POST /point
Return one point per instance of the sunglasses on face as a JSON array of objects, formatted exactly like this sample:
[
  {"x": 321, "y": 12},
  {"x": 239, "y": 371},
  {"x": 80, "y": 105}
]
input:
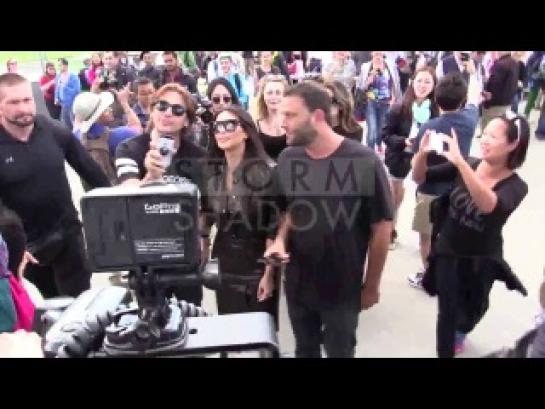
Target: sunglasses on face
[
  {"x": 177, "y": 109},
  {"x": 225, "y": 126},
  {"x": 226, "y": 99}
]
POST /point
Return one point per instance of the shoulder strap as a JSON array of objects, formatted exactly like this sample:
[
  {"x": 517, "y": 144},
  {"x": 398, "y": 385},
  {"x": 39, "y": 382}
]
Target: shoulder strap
[{"x": 237, "y": 82}]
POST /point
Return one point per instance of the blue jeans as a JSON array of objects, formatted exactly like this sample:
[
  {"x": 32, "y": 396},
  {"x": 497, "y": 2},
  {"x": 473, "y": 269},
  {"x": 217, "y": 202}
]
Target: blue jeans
[
  {"x": 516, "y": 101},
  {"x": 375, "y": 117},
  {"x": 67, "y": 117},
  {"x": 339, "y": 329}
]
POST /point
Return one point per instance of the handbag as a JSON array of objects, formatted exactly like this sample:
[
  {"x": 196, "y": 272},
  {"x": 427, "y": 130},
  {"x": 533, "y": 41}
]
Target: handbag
[{"x": 46, "y": 248}]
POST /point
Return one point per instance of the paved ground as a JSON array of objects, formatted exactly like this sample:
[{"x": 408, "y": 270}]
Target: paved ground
[{"x": 403, "y": 323}]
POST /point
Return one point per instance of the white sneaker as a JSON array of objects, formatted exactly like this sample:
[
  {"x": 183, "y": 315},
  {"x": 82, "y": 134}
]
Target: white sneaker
[{"x": 415, "y": 280}]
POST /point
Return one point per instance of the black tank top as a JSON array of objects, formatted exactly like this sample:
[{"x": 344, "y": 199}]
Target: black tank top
[{"x": 273, "y": 144}]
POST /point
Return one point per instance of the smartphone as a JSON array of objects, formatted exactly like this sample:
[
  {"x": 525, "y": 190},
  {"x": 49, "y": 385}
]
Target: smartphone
[
  {"x": 166, "y": 149},
  {"x": 436, "y": 142},
  {"x": 464, "y": 56}
]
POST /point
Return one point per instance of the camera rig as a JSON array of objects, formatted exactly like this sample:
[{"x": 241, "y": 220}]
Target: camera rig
[{"x": 153, "y": 232}]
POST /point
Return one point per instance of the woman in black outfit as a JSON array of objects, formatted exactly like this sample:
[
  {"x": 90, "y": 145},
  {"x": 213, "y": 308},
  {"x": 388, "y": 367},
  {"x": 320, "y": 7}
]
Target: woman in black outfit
[
  {"x": 272, "y": 135},
  {"x": 342, "y": 112},
  {"x": 401, "y": 125},
  {"x": 240, "y": 205},
  {"x": 467, "y": 243}
]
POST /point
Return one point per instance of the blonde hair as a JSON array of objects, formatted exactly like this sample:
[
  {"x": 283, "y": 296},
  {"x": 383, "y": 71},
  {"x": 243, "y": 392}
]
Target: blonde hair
[{"x": 261, "y": 105}]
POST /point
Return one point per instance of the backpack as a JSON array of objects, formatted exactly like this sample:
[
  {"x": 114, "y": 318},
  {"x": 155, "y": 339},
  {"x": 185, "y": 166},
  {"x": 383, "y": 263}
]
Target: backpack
[
  {"x": 238, "y": 83},
  {"x": 100, "y": 151}
]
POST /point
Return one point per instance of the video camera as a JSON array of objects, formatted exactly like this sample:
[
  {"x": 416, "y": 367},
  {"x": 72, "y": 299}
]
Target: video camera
[
  {"x": 110, "y": 80},
  {"x": 152, "y": 231},
  {"x": 201, "y": 130}
]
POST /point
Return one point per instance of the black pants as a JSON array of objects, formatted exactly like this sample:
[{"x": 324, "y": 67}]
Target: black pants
[
  {"x": 335, "y": 327},
  {"x": 463, "y": 289},
  {"x": 241, "y": 298},
  {"x": 68, "y": 274},
  {"x": 54, "y": 110}
]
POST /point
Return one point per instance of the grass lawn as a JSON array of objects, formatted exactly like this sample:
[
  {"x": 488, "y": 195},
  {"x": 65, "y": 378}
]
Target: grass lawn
[{"x": 25, "y": 57}]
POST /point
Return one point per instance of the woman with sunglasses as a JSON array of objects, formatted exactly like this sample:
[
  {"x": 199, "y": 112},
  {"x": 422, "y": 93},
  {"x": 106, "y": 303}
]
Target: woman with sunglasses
[
  {"x": 467, "y": 243},
  {"x": 342, "y": 112},
  {"x": 222, "y": 94},
  {"x": 139, "y": 161},
  {"x": 401, "y": 127},
  {"x": 270, "y": 96},
  {"x": 240, "y": 206}
]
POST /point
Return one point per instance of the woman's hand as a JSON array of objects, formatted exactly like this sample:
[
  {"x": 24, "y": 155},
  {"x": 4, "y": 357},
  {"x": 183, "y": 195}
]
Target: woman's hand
[
  {"x": 123, "y": 95},
  {"x": 27, "y": 258},
  {"x": 266, "y": 285},
  {"x": 453, "y": 154}
]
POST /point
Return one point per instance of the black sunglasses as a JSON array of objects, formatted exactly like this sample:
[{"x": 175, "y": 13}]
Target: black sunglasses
[
  {"x": 177, "y": 109},
  {"x": 226, "y": 99},
  {"x": 225, "y": 126}
]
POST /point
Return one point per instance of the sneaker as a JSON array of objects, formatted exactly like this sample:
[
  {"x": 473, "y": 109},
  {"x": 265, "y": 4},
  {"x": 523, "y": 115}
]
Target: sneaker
[
  {"x": 393, "y": 240},
  {"x": 415, "y": 280},
  {"x": 459, "y": 343}
]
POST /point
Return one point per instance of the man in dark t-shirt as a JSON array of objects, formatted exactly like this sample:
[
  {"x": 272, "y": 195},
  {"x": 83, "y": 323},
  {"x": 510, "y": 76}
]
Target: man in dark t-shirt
[{"x": 337, "y": 208}]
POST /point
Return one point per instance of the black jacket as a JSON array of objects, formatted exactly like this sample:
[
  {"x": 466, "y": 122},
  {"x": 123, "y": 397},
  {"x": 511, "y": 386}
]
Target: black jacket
[
  {"x": 503, "y": 82},
  {"x": 397, "y": 127},
  {"x": 244, "y": 216}
]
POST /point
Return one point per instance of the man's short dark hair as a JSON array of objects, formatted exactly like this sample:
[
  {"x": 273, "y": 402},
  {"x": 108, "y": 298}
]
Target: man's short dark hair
[
  {"x": 451, "y": 92},
  {"x": 142, "y": 81},
  {"x": 10, "y": 79},
  {"x": 314, "y": 96},
  {"x": 173, "y": 53},
  {"x": 13, "y": 233}
]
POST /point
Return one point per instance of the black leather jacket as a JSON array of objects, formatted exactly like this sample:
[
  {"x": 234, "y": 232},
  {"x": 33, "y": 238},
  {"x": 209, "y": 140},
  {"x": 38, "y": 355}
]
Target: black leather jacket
[{"x": 244, "y": 216}]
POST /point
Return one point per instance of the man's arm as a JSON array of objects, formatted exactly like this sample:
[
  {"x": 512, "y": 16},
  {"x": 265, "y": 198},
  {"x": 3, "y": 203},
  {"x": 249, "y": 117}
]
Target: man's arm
[
  {"x": 381, "y": 217},
  {"x": 83, "y": 163},
  {"x": 378, "y": 250}
]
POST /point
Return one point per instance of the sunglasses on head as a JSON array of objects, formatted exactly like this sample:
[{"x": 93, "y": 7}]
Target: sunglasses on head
[
  {"x": 225, "y": 126},
  {"x": 217, "y": 100},
  {"x": 177, "y": 109}
]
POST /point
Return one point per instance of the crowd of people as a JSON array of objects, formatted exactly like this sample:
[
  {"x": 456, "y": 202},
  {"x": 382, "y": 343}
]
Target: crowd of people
[{"x": 275, "y": 142}]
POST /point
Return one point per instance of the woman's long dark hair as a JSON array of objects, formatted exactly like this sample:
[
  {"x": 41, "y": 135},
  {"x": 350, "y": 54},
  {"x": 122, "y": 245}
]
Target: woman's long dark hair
[
  {"x": 222, "y": 81},
  {"x": 409, "y": 97},
  {"x": 345, "y": 102},
  {"x": 253, "y": 145}
]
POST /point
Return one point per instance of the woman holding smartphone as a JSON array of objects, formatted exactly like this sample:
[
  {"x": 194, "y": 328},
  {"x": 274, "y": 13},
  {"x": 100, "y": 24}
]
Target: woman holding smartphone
[
  {"x": 240, "y": 206},
  {"x": 401, "y": 127},
  {"x": 467, "y": 251}
]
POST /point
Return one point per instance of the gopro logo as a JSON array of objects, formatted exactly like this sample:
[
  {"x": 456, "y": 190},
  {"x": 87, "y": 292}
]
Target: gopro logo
[{"x": 163, "y": 208}]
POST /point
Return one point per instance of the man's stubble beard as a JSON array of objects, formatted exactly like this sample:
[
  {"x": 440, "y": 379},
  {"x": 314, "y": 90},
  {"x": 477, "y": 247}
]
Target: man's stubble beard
[{"x": 304, "y": 136}]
